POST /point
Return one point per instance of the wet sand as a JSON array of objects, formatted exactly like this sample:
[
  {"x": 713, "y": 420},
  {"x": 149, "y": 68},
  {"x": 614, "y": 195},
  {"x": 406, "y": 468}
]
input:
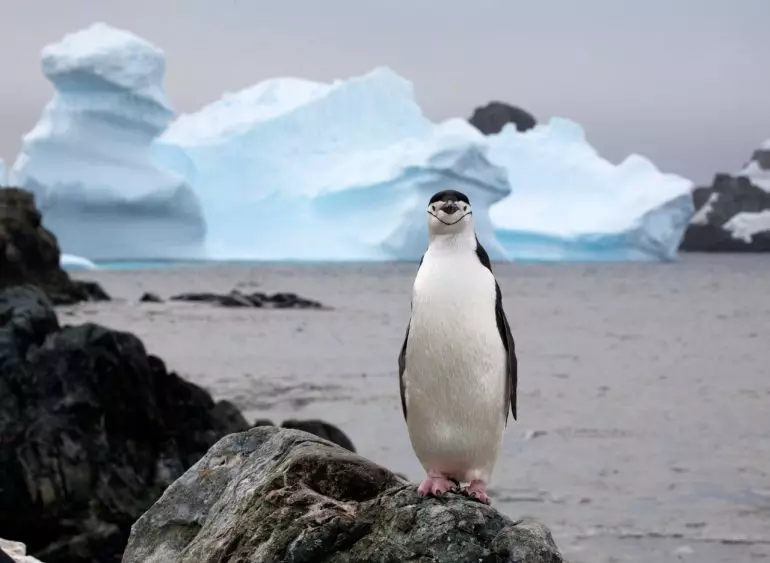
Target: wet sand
[{"x": 644, "y": 389}]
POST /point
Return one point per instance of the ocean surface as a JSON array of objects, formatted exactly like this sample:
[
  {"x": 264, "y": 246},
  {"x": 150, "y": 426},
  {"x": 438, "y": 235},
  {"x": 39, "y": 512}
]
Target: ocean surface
[{"x": 644, "y": 389}]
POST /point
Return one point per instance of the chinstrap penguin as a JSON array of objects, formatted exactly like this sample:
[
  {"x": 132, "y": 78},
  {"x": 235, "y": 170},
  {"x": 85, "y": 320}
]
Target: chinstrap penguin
[{"x": 457, "y": 366}]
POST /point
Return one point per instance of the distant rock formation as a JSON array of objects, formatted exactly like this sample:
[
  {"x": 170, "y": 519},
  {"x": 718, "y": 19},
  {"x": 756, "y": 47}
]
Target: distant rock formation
[
  {"x": 733, "y": 214},
  {"x": 272, "y": 494},
  {"x": 29, "y": 253},
  {"x": 491, "y": 118}
]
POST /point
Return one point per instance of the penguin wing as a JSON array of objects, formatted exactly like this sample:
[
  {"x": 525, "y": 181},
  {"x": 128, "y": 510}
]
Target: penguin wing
[
  {"x": 510, "y": 348},
  {"x": 402, "y": 357},
  {"x": 504, "y": 329},
  {"x": 402, "y": 369}
]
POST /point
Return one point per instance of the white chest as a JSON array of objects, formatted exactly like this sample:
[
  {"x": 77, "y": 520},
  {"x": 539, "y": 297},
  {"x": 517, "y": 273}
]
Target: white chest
[{"x": 453, "y": 329}]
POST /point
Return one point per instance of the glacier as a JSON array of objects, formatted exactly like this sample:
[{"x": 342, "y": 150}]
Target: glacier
[
  {"x": 291, "y": 169},
  {"x": 89, "y": 160}
]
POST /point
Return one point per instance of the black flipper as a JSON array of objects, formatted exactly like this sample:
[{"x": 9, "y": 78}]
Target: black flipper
[
  {"x": 402, "y": 359},
  {"x": 505, "y": 335}
]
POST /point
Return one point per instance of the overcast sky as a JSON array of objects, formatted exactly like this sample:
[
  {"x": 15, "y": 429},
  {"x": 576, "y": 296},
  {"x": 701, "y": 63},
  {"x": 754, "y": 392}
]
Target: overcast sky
[{"x": 685, "y": 82}]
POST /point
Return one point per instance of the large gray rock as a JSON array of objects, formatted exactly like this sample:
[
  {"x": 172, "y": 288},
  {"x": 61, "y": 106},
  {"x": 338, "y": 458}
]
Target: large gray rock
[{"x": 277, "y": 495}]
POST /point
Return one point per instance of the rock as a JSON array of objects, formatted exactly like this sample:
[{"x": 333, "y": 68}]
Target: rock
[
  {"x": 263, "y": 422},
  {"x": 93, "y": 430},
  {"x": 14, "y": 552},
  {"x": 733, "y": 214},
  {"x": 273, "y": 495},
  {"x": 237, "y": 299},
  {"x": 322, "y": 430},
  {"x": 150, "y": 298},
  {"x": 313, "y": 426},
  {"x": 29, "y": 252},
  {"x": 491, "y": 118}
]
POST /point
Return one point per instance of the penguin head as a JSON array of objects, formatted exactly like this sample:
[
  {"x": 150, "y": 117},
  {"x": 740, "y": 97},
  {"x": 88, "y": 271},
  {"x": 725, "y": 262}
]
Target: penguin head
[{"x": 449, "y": 212}]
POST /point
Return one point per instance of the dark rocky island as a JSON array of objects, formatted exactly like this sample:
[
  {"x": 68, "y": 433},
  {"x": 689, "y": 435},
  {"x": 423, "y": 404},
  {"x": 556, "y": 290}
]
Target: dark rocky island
[
  {"x": 30, "y": 253},
  {"x": 733, "y": 214},
  {"x": 277, "y": 495},
  {"x": 491, "y": 118}
]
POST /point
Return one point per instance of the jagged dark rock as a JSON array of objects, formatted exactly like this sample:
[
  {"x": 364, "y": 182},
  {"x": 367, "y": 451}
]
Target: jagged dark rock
[
  {"x": 716, "y": 206},
  {"x": 258, "y": 299},
  {"x": 150, "y": 298},
  {"x": 92, "y": 428},
  {"x": 314, "y": 426},
  {"x": 491, "y": 118},
  {"x": 29, "y": 253},
  {"x": 273, "y": 495}
]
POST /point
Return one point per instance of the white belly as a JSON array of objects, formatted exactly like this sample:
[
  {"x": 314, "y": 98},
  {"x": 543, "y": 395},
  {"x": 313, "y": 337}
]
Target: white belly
[{"x": 455, "y": 369}]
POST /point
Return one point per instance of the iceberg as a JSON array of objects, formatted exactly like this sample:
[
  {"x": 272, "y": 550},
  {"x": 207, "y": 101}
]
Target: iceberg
[
  {"x": 3, "y": 173},
  {"x": 71, "y": 262},
  {"x": 90, "y": 162},
  {"x": 569, "y": 203},
  {"x": 292, "y": 169}
]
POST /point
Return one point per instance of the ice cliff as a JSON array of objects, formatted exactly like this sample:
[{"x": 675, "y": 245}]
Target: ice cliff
[
  {"x": 89, "y": 161},
  {"x": 299, "y": 170}
]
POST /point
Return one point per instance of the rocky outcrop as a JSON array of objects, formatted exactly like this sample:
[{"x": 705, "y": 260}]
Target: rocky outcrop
[
  {"x": 491, "y": 118},
  {"x": 29, "y": 252},
  {"x": 258, "y": 299},
  {"x": 733, "y": 214},
  {"x": 275, "y": 495},
  {"x": 93, "y": 430}
]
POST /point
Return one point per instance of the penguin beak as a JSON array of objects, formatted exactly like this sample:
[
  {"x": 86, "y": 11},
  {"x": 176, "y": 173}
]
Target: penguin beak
[{"x": 450, "y": 208}]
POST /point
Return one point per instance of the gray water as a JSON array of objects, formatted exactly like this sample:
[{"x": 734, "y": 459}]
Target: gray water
[{"x": 644, "y": 389}]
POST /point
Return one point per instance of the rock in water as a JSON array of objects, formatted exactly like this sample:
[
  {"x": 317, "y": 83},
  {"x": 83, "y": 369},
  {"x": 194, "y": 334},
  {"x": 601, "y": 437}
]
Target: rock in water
[
  {"x": 29, "y": 253},
  {"x": 93, "y": 430},
  {"x": 491, "y": 118},
  {"x": 733, "y": 214},
  {"x": 273, "y": 495}
]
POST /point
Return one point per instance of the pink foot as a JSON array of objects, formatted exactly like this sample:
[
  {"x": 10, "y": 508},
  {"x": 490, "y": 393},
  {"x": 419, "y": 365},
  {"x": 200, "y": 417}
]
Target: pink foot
[
  {"x": 435, "y": 485},
  {"x": 478, "y": 490}
]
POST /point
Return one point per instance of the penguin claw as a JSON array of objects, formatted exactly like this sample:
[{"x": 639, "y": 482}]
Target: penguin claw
[
  {"x": 436, "y": 486},
  {"x": 477, "y": 490}
]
